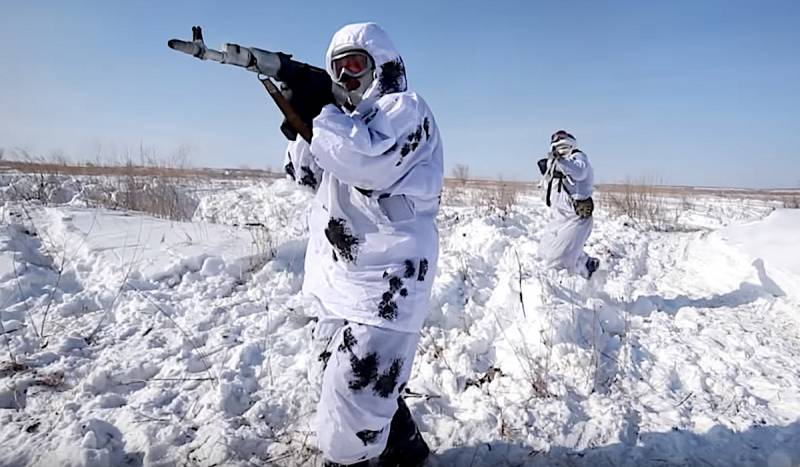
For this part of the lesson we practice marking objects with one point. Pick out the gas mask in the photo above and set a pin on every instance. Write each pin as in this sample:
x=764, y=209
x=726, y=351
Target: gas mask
x=562, y=143
x=354, y=71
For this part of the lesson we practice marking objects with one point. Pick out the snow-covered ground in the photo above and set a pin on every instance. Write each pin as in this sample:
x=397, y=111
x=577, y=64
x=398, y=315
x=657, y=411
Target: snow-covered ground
x=131, y=340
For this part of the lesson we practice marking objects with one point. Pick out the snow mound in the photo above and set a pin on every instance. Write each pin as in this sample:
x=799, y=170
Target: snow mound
x=115, y=244
x=772, y=246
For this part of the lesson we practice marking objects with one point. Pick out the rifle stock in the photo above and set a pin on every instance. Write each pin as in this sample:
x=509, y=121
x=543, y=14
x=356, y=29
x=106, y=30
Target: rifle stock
x=285, y=107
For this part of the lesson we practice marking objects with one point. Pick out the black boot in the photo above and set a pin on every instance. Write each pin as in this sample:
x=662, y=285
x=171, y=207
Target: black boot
x=405, y=447
x=592, y=265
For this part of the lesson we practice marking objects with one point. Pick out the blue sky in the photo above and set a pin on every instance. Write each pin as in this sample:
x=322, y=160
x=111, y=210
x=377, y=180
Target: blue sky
x=685, y=92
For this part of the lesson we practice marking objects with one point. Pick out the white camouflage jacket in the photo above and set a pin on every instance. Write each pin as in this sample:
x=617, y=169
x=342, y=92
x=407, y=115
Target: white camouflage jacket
x=377, y=172
x=579, y=183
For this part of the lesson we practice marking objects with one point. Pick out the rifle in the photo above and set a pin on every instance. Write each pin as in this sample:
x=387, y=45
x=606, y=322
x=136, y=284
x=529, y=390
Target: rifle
x=547, y=167
x=309, y=87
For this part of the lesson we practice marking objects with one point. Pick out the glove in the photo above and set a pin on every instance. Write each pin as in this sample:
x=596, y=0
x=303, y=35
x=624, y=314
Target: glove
x=307, y=89
x=542, y=163
x=307, y=102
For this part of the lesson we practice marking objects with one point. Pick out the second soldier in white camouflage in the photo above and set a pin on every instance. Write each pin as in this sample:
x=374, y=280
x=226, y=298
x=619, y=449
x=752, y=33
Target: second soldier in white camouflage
x=571, y=205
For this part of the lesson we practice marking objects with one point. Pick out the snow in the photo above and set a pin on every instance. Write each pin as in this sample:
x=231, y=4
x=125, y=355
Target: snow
x=143, y=341
x=772, y=244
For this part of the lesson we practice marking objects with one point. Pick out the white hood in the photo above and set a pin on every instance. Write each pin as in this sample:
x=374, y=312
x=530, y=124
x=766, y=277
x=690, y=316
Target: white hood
x=390, y=73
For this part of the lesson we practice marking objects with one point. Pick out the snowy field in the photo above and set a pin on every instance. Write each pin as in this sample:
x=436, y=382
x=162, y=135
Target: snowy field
x=132, y=340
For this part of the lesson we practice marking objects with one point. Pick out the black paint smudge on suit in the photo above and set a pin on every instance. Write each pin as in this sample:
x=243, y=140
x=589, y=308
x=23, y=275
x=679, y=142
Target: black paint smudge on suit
x=365, y=370
x=289, y=168
x=387, y=308
x=324, y=357
x=423, y=269
x=409, y=268
x=393, y=77
x=411, y=144
x=342, y=239
x=368, y=436
x=387, y=381
x=309, y=179
x=348, y=341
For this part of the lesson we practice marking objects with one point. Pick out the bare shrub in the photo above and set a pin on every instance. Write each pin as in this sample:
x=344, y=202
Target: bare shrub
x=262, y=245
x=498, y=198
x=792, y=202
x=155, y=188
x=37, y=184
x=534, y=363
x=155, y=193
x=640, y=202
x=160, y=197
x=686, y=204
x=505, y=198
x=455, y=191
x=461, y=174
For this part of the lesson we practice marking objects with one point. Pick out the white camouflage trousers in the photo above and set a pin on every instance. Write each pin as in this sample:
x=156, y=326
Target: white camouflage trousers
x=366, y=368
x=561, y=246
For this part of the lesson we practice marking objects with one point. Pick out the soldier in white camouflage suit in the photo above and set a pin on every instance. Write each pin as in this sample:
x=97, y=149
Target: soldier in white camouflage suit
x=375, y=162
x=571, y=205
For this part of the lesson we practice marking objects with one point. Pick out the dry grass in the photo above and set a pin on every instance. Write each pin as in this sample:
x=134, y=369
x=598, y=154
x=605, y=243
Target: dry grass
x=688, y=192
x=496, y=198
x=503, y=198
x=791, y=202
x=495, y=195
x=263, y=245
x=162, y=197
x=640, y=202
x=653, y=206
x=91, y=170
x=158, y=188
x=490, y=197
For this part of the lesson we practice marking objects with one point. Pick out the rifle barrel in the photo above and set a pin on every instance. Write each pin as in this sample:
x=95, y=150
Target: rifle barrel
x=196, y=50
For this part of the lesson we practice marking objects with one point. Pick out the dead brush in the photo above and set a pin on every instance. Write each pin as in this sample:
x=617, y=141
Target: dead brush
x=153, y=187
x=535, y=365
x=641, y=203
x=791, y=202
x=455, y=194
x=505, y=198
x=37, y=184
x=158, y=196
x=22, y=378
x=460, y=174
x=262, y=246
x=497, y=198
